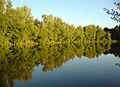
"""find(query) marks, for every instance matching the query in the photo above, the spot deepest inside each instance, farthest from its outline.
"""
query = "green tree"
(90, 32)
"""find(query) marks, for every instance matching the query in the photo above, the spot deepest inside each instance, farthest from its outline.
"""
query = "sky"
(76, 12)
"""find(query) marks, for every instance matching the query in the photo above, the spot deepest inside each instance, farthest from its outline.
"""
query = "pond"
(71, 65)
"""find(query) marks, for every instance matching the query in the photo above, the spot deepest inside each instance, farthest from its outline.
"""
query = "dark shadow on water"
(115, 50)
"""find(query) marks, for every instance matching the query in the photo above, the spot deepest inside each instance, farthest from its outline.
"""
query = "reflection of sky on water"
(79, 72)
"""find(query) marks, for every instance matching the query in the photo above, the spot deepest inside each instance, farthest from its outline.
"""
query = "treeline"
(18, 27)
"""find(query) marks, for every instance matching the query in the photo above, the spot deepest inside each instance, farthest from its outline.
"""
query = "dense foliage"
(115, 32)
(18, 27)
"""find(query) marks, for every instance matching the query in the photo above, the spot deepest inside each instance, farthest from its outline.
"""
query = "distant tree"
(115, 14)
(115, 32)
(79, 33)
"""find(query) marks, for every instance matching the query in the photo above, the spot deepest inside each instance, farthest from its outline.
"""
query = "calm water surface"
(97, 71)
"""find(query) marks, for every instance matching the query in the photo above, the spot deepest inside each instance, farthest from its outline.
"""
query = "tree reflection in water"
(19, 63)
